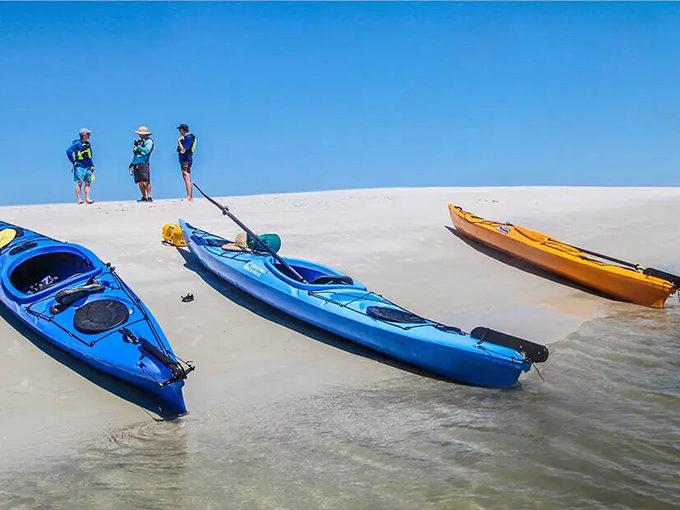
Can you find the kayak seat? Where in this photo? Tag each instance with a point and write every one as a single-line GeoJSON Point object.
{"type": "Point", "coordinates": [40, 272]}
{"type": "Point", "coordinates": [332, 280]}
{"type": "Point", "coordinates": [312, 273]}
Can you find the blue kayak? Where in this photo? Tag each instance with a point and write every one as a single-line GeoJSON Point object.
{"type": "Point", "coordinates": [70, 297]}
{"type": "Point", "coordinates": [336, 303]}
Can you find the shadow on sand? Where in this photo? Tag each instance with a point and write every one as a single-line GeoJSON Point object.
{"type": "Point", "coordinates": [525, 266]}
{"type": "Point", "coordinates": [116, 386]}
{"type": "Point", "coordinates": [272, 314]}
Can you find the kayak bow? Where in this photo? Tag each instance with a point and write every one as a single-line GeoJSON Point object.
{"type": "Point", "coordinates": [66, 294]}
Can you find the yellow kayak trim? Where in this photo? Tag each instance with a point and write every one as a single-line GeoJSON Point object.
{"type": "Point", "coordinates": [560, 258]}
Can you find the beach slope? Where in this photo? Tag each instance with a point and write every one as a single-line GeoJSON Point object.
{"type": "Point", "coordinates": [396, 241]}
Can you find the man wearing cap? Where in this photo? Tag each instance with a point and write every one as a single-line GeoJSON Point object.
{"type": "Point", "coordinates": [141, 153]}
{"type": "Point", "coordinates": [186, 145]}
{"type": "Point", "coordinates": [79, 153]}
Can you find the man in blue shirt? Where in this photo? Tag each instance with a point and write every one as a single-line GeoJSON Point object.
{"type": "Point", "coordinates": [186, 145]}
{"type": "Point", "coordinates": [140, 168]}
{"type": "Point", "coordinates": [79, 154]}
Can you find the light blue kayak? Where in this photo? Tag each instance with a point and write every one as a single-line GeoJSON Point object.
{"type": "Point", "coordinates": [66, 294]}
{"type": "Point", "coordinates": [336, 303]}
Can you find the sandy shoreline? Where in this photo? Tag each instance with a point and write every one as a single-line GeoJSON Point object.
{"type": "Point", "coordinates": [393, 240]}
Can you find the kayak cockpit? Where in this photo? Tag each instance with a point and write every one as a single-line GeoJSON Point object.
{"type": "Point", "coordinates": [33, 275]}
{"type": "Point", "coordinates": [315, 275]}
{"type": "Point", "coordinates": [42, 271]}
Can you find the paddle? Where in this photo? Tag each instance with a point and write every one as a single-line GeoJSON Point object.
{"type": "Point", "coordinates": [675, 280]}
{"type": "Point", "coordinates": [226, 212]}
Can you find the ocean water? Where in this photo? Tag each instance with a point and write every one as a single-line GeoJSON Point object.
{"type": "Point", "coordinates": [601, 431]}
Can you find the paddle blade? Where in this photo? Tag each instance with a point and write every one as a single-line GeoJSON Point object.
{"type": "Point", "coordinates": [675, 280]}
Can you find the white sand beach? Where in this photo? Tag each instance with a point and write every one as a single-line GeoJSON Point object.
{"type": "Point", "coordinates": [249, 356]}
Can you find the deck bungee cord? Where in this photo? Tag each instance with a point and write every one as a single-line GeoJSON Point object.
{"type": "Point", "coordinates": [555, 244]}
{"type": "Point", "coordinates": [73, 300]}
{"type": "Point", "coordinates": [611, 276]}
{"type": "Point", "coordinates": [577, 251]}
{"type": "Point", "coordinates": [533, 352]}
{"type": "Point", "coordinates": [325, 295]}
{"type": "Point", "coordinates": [549, 242]}
{"type": "Point", "coordinates": [562, 246]}
{"type": "Point", "coordinates": [160, 351]}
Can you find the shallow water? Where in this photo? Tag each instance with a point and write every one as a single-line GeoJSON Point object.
{"type": "Point", "coordinates": [602, 431]}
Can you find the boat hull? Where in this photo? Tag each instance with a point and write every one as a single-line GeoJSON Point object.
{"type": "Point", "coordinates": [342, 310]}
{"type": "Point", "coordinates": [110, 351]}
{"type": "Point", "coordinates": [564, 260]}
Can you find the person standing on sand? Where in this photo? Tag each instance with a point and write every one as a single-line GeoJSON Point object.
{"type": "Point", "coordinates": [79, 153]}
{"type": "Point", "coordinates": [140, 168]}
{"type": "Point", "coordinates": [186, 145]}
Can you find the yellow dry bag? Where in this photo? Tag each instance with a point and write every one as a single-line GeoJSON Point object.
{"type": "Point", "coordinates": [172, 234]}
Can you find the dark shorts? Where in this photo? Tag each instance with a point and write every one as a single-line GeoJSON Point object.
{"type": "Point", "coordinates": [142, 172]}
{"type": "Point", "coordinates": [186, 166]}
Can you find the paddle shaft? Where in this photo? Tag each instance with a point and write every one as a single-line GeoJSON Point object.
{"type": "Point", "coordinates": [605, 257]}
{"type": "Point", "coordinates": [674, 279]}
{"type": "Point", "coordinates": [226, 212]}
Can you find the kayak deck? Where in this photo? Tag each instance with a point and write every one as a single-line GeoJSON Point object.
{"type": "Point", "coordinates": [565, 260]}
{"type": "Point", "coordinates": [71, 298]}
{"type": "Point", "coordinates": [347, 308]}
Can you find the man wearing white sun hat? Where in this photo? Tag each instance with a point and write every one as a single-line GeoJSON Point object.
{"type": "Point", "coordinates": [139, 168]}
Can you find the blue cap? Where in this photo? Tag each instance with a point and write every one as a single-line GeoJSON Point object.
{"type": "Point", "coordinates": [85, 131]}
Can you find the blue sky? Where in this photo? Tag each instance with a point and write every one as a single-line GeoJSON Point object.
{"type": "Point", "coordinates": [295, 97]}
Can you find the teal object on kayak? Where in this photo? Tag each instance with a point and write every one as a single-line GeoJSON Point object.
{"type": "Point", "coordinates": [66, 294]}
{"type": "Point", "coordinates": [335, 302]}
{"type": "Point", "coordinates": [271, 241]}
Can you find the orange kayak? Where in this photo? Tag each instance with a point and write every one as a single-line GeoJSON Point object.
{"type": "Point", "coordinates": [614, 280]}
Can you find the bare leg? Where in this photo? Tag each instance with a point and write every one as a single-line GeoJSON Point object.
{"type": "Point", "coordinates": [78, 186]}
{"type": "Point", "coordinates": [189, 187]}
{"type": "Point", "coordinates": [87, 194]}
{"type": "Point", "coordinates": [148, 189]}
{"type": "Point", "coordinates": [142, 189]}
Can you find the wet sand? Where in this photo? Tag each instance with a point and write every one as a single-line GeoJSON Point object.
{"type": "Point", "coordinates": [251, 358]}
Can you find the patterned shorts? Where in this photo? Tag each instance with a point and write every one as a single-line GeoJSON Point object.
{"type": "Point", "coordinates": [82, 174]}
{"type": "Point", "coordinates": [142, 172]}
